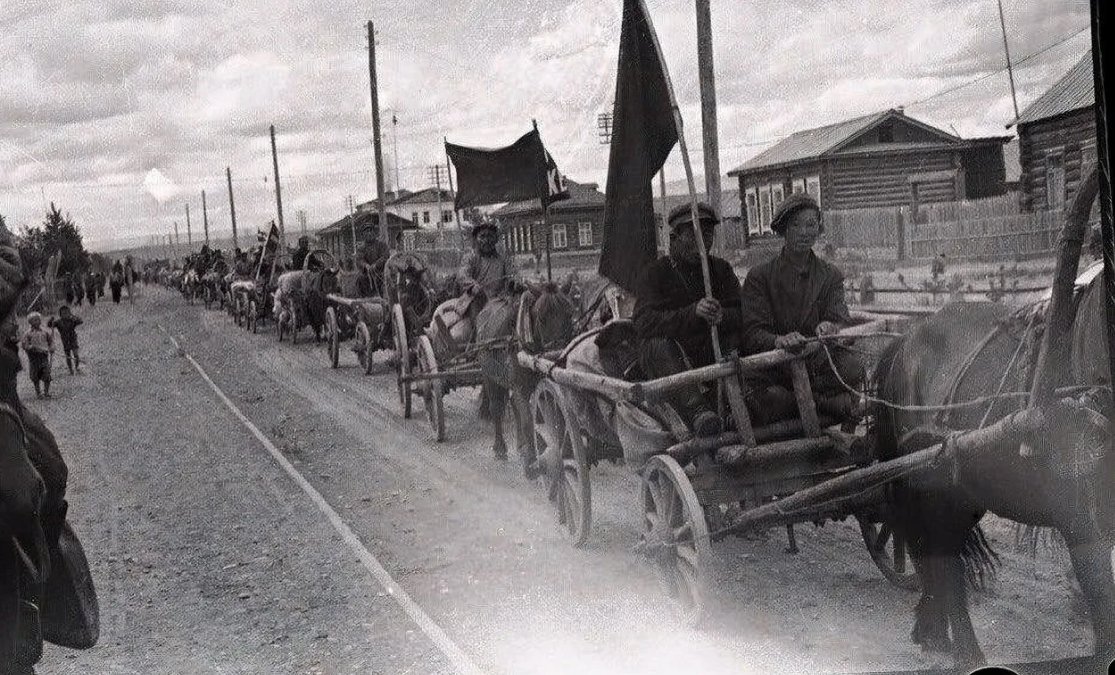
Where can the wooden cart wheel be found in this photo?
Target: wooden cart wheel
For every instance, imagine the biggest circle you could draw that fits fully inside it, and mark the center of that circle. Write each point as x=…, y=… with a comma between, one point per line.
x=889, y=553
x=676, y=537
x=433, y=390
x=402, y=349
x=253, y=316
x=333, y=337
x=362, y=345
x=560, y=461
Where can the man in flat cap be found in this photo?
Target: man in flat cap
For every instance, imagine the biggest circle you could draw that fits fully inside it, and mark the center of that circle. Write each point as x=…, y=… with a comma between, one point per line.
x=790, y=299
x=298, y=256
x=370, y=260
x=672, y=315
x=486, y=270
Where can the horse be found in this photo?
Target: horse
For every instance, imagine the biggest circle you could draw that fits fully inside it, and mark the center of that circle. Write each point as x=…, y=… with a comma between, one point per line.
x=546, y=324
x=972, y=350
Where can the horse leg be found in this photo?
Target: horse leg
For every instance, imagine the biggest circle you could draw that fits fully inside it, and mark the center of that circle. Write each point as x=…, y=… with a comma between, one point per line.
x=497, y=401
x=965, y=646
x=1091, y=560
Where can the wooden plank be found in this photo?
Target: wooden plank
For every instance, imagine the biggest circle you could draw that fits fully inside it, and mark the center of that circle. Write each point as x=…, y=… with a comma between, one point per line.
x=803, y=392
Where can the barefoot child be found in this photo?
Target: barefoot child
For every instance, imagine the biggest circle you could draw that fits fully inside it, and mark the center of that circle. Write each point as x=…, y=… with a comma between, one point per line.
x=67, y=323
x=39, y=345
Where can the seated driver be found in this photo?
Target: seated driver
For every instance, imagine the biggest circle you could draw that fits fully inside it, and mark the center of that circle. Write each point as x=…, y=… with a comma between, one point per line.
x=788, y=300
x=673, y=317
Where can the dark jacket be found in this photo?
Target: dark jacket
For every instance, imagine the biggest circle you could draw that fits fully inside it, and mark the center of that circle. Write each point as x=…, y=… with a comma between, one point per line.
x=67, y=328
x=778, y=299
x=666, y=303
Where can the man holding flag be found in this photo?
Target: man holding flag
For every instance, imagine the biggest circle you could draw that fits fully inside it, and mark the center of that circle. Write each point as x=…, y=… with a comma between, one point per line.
x=673, y=315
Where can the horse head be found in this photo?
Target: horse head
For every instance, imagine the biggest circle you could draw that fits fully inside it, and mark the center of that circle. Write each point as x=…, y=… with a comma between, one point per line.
x=551, y=315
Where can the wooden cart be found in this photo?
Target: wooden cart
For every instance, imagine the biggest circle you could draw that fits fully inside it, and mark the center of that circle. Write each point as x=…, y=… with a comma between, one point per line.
x=696, y=491
x=362, y=320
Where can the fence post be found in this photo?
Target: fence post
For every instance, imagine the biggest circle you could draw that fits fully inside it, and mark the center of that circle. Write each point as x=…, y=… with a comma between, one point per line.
x=900, y=233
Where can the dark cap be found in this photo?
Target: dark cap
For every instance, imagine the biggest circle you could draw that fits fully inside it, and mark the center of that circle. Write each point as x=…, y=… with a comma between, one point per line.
x=484, y=225
x=791, y=205
x=683, y=215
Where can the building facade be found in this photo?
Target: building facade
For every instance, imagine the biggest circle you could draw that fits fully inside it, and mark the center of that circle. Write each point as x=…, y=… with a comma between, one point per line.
x=880, y=160
x=1057, y=140
x=574, y=225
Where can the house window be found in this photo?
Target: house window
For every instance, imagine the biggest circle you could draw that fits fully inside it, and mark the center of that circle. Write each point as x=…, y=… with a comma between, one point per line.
x=777, y=196
x=426, y=217
x=558, y=237
x=414, y=217
x=408, y=240
x=798, y=186
x=813, y=187
x=764, y=209
x=1054, y=181
x=584, y=235
x=752, y=200
x=446, y=216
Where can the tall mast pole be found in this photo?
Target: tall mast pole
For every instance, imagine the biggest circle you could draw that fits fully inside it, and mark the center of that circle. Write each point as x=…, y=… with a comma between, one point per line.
x=707, y=78
x=189, y=235
x=377, y=141
x=205, y=217
x=232, y=208
x=278, y=187
x=1010, y=67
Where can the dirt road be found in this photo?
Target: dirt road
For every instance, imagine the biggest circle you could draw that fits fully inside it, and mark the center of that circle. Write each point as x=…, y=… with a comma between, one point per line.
x=209, y=558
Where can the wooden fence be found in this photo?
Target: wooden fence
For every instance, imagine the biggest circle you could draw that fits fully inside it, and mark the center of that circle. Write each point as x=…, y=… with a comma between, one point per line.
x=994, y=229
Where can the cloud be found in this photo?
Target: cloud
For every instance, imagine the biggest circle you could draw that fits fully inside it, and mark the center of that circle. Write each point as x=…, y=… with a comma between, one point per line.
x=98, y=96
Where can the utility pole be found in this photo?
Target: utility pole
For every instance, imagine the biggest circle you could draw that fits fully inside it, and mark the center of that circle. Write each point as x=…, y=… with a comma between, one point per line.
x=177, y=241
x=189, y=235
x=707, y=77
x=377, y=141
x=232, y=208
x=278, y=188
x=662, y=192
x=395, y=139
x=205, y=217
x=351, y=223
x=1010, y=67
x=302, y=221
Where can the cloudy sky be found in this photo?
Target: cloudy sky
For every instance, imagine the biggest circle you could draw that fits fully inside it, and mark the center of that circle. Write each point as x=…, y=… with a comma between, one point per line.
x=121, y=111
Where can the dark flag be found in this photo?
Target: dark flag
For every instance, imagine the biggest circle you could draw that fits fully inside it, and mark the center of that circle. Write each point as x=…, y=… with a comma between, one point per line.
x=521, y=171
x=643, y=134
x=270, y=246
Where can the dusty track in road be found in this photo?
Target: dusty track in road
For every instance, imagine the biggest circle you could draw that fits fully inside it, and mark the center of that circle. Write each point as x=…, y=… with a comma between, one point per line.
x=183, y=512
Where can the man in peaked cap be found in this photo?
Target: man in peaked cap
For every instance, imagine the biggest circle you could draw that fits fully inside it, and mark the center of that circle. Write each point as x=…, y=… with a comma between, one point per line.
x=370, y=260
x=672, y=315
x=787, y=301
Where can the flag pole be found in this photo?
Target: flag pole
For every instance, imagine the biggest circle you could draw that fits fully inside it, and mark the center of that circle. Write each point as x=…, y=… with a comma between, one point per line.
x=545, y=224
x=701, y=249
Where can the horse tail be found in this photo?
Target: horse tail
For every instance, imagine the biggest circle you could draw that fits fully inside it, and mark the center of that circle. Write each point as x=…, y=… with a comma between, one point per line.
x=980, y=560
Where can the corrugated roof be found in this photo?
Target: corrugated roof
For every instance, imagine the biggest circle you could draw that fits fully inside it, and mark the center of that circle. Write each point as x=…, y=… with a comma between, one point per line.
x=1073, y=91
x=425, y=195
x=809, y=143
x=361, y=218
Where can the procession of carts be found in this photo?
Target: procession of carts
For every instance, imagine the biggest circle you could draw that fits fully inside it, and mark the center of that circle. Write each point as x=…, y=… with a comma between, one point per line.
x=695, y=491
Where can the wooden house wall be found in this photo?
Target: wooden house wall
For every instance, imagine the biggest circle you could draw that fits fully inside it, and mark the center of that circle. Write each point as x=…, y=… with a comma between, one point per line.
x=883, y=180
x=1071, y=138
x=985, y=173
x=523, y=232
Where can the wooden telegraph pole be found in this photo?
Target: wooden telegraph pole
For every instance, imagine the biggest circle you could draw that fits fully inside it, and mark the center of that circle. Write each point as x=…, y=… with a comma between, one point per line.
x=177, y=241
x=707, y=77
x=189, y=234
x=205, y=217
x=278, y=188
x=232, y=209
x=377, y=141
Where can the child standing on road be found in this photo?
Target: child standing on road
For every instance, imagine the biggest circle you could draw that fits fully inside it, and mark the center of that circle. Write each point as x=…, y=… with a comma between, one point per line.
x=39, y=345
x=67, y=323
